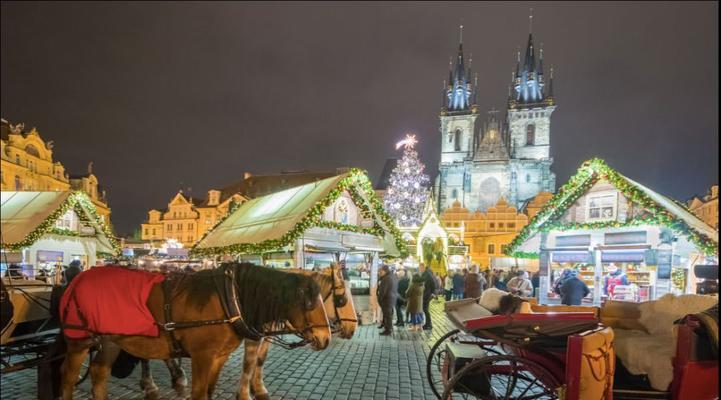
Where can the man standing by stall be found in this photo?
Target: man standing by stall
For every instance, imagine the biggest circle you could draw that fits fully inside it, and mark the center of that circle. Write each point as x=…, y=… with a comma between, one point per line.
x=430, y=288
x=387, y=292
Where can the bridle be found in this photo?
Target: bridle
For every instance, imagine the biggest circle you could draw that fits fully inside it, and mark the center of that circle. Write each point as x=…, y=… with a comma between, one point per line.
x=275, y=336
x=340, y=300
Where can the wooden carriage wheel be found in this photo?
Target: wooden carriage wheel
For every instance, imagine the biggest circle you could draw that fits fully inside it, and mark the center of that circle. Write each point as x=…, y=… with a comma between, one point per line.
x=507, y=377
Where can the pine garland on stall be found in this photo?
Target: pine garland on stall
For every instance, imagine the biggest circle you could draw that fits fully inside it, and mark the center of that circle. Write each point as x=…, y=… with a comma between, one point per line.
x=360, y=189
x=588, y=174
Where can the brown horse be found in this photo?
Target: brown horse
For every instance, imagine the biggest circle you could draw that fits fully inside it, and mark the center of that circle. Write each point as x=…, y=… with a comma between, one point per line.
x=268, y=299
x=338, y=304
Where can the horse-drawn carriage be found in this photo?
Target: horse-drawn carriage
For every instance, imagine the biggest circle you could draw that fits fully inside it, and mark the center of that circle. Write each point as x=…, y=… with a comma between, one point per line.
x=29, y=331
x=542, y=352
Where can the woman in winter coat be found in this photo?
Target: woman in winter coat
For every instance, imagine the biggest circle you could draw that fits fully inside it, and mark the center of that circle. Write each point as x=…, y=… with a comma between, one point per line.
x=414, y=295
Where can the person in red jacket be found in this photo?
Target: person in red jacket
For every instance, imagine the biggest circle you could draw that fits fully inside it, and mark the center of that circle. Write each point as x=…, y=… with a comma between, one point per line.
x=614, y=278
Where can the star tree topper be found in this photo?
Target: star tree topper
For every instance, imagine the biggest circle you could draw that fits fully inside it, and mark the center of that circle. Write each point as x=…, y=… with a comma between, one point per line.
x=408, y=142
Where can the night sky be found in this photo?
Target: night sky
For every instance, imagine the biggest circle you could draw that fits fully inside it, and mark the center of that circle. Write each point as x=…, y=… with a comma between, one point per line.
x=164, y=96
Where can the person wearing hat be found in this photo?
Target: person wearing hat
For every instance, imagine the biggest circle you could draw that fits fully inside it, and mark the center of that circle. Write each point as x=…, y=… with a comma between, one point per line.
x=573, y=290
x=614, y=278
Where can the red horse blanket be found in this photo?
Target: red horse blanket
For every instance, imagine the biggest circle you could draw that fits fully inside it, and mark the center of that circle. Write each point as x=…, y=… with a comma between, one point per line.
x=110, y=301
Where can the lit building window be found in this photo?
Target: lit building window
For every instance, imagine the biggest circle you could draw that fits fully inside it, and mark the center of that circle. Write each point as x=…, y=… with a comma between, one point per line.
x=601, y=206
x=491, y=248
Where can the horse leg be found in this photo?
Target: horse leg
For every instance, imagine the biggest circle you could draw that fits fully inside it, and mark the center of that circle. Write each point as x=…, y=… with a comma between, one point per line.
x=70, y=369
x=260, y=392
x=100, y=369
x=180, y=381
x=215, y=373
x=201, y=365
x=250, y=353
x=147, y=384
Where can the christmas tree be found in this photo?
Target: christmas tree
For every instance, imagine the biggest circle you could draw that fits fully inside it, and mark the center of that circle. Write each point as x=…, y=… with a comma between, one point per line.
x=408, y=189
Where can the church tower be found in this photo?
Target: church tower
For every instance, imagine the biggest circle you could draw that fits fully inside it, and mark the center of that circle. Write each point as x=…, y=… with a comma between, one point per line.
x=530, y=106
x=458, y=118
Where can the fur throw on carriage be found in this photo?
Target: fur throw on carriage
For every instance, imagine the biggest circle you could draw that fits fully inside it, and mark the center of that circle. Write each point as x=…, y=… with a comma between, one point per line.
x=645, y=336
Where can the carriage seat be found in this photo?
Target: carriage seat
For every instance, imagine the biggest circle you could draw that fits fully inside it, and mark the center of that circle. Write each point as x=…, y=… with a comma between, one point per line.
x=645, y=336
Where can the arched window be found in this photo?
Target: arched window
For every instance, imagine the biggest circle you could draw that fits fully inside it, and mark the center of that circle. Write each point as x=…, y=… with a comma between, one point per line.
x=30, y=149
x=454, y=194
x=458, y=140
x=530, y=134
x=18, y=185
x=528, y=178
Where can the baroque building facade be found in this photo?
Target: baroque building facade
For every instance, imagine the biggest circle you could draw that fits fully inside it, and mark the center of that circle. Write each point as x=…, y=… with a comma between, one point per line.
x=28, y=165
x=706, y=207
x=504, y=156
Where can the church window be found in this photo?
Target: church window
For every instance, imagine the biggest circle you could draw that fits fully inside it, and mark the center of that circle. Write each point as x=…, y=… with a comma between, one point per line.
x=530, y=134
x=491, y=248
x=458, y=140
x=454, y=194
x=450, y=138
x=528, y=178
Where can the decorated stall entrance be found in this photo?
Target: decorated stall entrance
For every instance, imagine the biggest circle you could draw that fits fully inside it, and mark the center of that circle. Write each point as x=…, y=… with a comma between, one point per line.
x=337, y=219
x=625, y=241
x=44, y=230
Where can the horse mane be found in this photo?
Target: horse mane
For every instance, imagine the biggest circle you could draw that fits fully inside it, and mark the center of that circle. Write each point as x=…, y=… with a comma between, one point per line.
x=266, y=296
x=323, y=279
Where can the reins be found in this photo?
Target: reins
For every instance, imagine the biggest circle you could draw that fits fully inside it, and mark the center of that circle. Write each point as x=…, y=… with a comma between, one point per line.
x=339, y=301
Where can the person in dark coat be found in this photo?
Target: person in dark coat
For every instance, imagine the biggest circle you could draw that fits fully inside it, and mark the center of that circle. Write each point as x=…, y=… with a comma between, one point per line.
x=573, y=290
x=403, y=283
x=429, y=290
x=474, y=283
x=387, y=293
x=459, y=281
x=414, y=294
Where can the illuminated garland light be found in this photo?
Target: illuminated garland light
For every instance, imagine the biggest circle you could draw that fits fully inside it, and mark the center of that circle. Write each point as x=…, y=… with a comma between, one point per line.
x=355, y=179
x=81, y=204
x=588, y=174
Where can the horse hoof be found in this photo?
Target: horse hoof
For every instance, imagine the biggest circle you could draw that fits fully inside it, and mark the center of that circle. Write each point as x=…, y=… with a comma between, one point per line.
x=152, y=394
x=179, y=386
x=264, y=396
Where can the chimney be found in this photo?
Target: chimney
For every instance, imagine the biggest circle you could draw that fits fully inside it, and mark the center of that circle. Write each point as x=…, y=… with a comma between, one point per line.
x=247, y=175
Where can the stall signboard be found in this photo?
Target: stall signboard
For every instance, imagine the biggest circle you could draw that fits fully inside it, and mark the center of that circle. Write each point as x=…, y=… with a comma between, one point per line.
x=622, y=256
x=625, y=237
x=572, y=257
x=49, y=256
x=664, y=258
x=573, y=240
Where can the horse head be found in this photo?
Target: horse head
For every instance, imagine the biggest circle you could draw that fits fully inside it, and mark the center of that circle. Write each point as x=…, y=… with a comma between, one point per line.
x=308, y=316
x=341, y=309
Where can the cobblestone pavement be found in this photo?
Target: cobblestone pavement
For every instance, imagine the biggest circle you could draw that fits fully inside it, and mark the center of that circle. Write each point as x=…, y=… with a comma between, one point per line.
x=368, y=366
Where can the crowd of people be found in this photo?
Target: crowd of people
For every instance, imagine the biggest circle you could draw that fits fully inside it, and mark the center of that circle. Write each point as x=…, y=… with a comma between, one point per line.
x=409, y=296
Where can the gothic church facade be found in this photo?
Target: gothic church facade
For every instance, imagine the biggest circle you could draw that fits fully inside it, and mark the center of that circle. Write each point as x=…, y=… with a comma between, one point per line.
x=508, y=156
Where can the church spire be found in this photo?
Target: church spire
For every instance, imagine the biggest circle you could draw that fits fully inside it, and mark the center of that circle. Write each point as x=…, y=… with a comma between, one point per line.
x=529, y=83
x=460, y=89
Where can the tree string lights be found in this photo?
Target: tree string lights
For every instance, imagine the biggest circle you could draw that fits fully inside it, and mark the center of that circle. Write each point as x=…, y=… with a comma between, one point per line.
x=408, y=190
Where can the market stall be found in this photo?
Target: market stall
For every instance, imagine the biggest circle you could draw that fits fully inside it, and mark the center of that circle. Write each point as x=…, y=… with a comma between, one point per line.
x=43, y=230
x=338, y=219
x=625, y=241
